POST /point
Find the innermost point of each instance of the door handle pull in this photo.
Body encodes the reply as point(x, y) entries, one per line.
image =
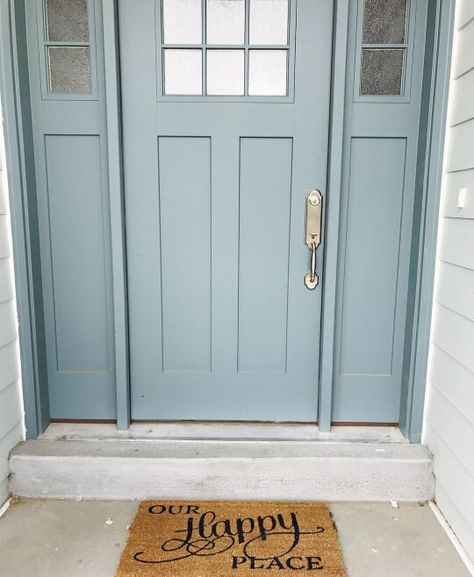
point(314, 201)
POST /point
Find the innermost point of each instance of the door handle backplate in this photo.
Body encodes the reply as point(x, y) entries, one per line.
point(314, 201)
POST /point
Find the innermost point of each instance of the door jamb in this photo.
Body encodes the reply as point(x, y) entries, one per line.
point(430, 165)
point(17, 116)
point(14, 96)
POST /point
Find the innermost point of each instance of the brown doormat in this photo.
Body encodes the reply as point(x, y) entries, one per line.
point(224, 538)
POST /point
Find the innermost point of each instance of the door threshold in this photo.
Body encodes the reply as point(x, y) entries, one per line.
point(223, 431)
point(221, 469)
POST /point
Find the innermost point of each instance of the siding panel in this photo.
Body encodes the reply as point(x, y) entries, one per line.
point(3, 197)
point(461, 145)
point(7, 442)
point(10, 407)
point(455, 430)
point(8, 330)
point(463, 102)
point(6, 285)
point(456, 289)
point(457, 242)
point(455, 335)
point(11, 412)
point(458, 522)
point(454, 181)
point(4, 243)
point(465, 13)
point(451, 472)
point(449, 414)
point(9, 371)
point(453, 381)
point(3, 490)
point(465, 51)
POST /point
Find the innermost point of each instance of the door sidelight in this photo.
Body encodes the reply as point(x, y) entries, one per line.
point(314, 201)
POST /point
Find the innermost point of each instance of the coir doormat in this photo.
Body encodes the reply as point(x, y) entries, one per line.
point(231, 538)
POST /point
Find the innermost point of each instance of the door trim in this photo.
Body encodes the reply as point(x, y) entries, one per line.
point(117, 213)
point(331, 228)
point(436, 84)
point(13, 89)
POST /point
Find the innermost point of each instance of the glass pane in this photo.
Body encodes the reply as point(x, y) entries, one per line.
point(382, 71)
point(67, 20)
point(183, 72)
point(182, 22)
point(225, 72)
point(69, 70)
point(268, 21)
point(225, 21)
point(384, 21)
point(267, 72)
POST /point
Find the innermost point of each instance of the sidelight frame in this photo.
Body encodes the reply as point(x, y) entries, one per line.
point(14, 93)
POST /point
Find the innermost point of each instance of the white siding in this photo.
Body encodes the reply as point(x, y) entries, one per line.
point(11, 412)
point(449, 416)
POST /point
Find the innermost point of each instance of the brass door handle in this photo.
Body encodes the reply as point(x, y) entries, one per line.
point(314, 201)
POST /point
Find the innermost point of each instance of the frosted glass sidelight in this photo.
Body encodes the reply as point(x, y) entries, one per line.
point(183, 71)
point(182, 22)
point(268, 22)
point(67, 21)
point(385, 21)
point(69, 70)
point(382, 72)
point(225, 72)
point(225, 21)
point(268, 72)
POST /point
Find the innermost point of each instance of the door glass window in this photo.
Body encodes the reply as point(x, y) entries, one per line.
point(384, 47)
point(69, 69)
point(384, 21)
point(225, 72)
point(67, 21)
point(182, 22)
point(183, 74)
point(239, 47)
point(67, 46)
point(267, 72)
point(268, 21)
point(382, 71)
point(225, 21)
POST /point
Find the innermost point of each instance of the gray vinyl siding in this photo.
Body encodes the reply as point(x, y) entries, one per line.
point(449, 418)
point(11, 413)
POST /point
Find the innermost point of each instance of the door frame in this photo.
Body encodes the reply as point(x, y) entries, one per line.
point(20, 167)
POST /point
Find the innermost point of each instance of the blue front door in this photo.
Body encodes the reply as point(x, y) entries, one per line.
point(225, 118)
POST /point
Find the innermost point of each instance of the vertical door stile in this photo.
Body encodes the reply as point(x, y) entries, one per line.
point(117, 212)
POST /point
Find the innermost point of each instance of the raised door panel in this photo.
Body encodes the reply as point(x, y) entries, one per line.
point(65, 56)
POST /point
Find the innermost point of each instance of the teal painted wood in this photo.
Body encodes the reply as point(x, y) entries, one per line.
point(221, 325)
point(21, 207)
point(185, 181)
point(18, 138)
point(73, 213)
point(117, 209)
point(436, 92)
point(333, 207)
point(380, 152)
point(263, 314)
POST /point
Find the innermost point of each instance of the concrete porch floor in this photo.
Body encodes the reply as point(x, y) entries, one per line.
point(85, 539)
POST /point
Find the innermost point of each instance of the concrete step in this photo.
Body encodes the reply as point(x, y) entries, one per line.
point(220, 469)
